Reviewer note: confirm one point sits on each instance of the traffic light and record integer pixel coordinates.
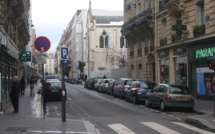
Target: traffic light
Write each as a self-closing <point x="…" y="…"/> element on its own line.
<point x="210" y="65"/>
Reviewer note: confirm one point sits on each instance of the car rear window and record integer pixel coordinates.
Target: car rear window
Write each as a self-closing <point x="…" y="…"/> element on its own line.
<point x="143" y="85"/>
<point x="56" y="84"/>
<point x="179" y="90"/>
<point x="128" y="82"/>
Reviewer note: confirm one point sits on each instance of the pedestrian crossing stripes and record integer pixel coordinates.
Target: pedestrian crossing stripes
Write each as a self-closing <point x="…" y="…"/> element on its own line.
<point x="121" y="129"/>
<point x="159" y="128"/>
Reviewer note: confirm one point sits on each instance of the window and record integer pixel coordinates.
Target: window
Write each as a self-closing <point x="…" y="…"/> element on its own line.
<point x="107" y="42"/>
<point x="101" y="41"/>
<point x="200" y="13"/>
<point x="122" y="41"/>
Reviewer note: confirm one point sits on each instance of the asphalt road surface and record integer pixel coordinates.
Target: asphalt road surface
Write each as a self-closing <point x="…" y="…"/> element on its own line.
<point x="111" y="115"/>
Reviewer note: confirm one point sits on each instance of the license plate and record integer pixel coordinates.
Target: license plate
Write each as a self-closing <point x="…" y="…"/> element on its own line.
<point x="54" y="90"/>
<point x="181" y="97"/>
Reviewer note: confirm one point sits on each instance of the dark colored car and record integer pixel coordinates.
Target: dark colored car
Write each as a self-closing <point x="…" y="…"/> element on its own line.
<point x="86" y="83"/>
<point x="110" y="88"/>
<point x="122" y="86"/>
<point x="138" y="90"/>
<point x="170" y="95"/>
<point x="92" y="82"/>
<point x="54" y="90"/>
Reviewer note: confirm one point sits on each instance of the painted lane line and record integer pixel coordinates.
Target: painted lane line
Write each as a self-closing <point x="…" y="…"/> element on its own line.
<point x="159" y="128"/>
<point x="178" y="118"/>
<point x="121" y="129"/>
<point x="192" y="128"/>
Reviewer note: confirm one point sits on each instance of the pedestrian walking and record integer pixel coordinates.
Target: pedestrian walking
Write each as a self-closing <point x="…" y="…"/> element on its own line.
<point x="32" y="83"/>
<point x="14" y="94"/>
<point x="22" y="85"/>
<point x="104" y="77"/>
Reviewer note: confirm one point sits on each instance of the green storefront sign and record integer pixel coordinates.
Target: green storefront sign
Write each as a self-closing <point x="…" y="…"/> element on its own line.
<point x="205" y="52"/>
<point x="25" y="55"/>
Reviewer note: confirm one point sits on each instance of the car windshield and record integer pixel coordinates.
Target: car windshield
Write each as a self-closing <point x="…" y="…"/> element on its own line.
<point x="179" y="90"/>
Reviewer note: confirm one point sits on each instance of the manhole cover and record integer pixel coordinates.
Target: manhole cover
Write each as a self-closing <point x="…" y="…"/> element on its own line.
<point x="20" y="129"/>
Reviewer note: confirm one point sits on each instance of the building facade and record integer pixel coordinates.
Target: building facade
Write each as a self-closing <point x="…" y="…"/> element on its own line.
<point x="104" y="41"/>
<point x="49" y="67"/>
<point x="14" y="36"/>
<point x="139" y="31"/>
<point x="184" y="38"/>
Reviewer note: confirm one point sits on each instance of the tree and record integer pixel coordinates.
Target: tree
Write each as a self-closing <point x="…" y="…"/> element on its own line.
<point x="118" y="59"/>
<point x="81" y="66"/>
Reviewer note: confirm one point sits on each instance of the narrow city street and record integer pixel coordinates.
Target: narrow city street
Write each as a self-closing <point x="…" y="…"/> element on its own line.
<point x="111" y="115"/>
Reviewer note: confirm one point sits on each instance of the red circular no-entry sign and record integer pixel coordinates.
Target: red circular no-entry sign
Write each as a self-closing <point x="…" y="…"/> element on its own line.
<point x="42" y="44"/>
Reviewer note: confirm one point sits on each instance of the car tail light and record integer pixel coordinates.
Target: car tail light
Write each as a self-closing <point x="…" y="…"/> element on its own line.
<point x="138" y="90"/>
<point x="123" y="86"/>
<point x="192" y="98"/>
<point x="168" y="96"/>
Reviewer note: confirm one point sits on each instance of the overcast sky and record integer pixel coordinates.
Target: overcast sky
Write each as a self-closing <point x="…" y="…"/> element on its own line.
<point x="51" y="17"/>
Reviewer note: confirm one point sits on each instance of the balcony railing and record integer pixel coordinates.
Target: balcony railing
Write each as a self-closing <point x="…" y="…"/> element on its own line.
<point x="140" y="18"/>
<point x="146" y="49"/>
<point x="132" y="54"/>
<point x="152" y="48"/>
<point x="166" y="2"/>
<point x="199" y="30"/>
<point x="163" y="41"/>
<point x="139" y="52"/>
<point x="175" y="38"/>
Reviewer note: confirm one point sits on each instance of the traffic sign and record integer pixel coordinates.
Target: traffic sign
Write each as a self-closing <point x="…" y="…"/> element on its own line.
<point x="42" y="44"/>
<point x="64" y="61"/>
<point x="64" y="53"/>
<point x="25" y="55"/>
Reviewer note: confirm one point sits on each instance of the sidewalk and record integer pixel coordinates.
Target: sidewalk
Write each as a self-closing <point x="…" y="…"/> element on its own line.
<point x="29" y="120"/>
<point x="206" y="119"/>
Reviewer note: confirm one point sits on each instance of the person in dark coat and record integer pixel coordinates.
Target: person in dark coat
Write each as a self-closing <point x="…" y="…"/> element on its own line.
<point x="104" y="77"/>
<point x="14" y="94"/>
<point x="22" y="86"/>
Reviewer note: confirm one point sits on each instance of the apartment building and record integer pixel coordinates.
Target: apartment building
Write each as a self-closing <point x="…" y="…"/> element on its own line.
<point x="184" y="39"/>
<point x="138" y="30"/>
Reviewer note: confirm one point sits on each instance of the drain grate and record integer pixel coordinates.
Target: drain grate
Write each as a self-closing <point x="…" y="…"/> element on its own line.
<point x="17" y="129"/>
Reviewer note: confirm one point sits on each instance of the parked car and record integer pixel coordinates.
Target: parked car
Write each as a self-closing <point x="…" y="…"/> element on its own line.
<point x="122" y="86"/>
<point x="54" y="90"/>
<point x="170" y="95"/>
<point x="105" y="84"/>
<point x="86" y="83"/>
<point x="93" y="82"/>
<point x="96" y="84"/>
<point x="138" y="90"/>
<point x="110" y="88"/>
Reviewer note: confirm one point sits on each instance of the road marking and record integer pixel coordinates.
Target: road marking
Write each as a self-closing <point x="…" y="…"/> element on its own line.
<point x="121" y="129"/>
<point x="178" y="118"/>
<point x="59" y="132"/>
<point x="159" y="128"/>
<point x="192" y="128"/>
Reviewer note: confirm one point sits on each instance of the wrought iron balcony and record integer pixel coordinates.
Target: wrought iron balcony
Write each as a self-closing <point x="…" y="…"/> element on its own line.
<point x="140" y="18"/>
<point x="166" y="2"/>
<point x="139" y="52"/>
<point x="146" y="49"/>
<point x="163" y="41"/>
<point x="132" y="54"/>
<point x="199" y="30"/>
<point x="175" y="38"/>
<point x="152" y="48"/>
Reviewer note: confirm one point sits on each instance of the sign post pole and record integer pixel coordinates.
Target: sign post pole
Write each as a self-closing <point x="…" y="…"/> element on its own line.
<point x="213" y="76"/>
<point x="64" y="52"/>
<point x="42" y="44"/>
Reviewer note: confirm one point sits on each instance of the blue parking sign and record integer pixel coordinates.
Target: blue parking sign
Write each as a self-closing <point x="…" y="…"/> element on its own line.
<point x="64" y="52"/>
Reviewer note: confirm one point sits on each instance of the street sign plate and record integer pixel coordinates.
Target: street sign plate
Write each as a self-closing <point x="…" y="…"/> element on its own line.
<point x="42" y="44"/>
<point x="41" y="60"/>
<point x="64" y="61"/>
<point x="25" y="55"/>
<point x="64" y="53"/>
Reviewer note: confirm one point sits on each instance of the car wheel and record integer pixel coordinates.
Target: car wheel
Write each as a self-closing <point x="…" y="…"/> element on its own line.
<point x="120" y="95"/>
<point x="135" y="99"/>
<point x="126" y="97"/>
<point x="162" y="106"/>
<point x="147" y="103"/>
